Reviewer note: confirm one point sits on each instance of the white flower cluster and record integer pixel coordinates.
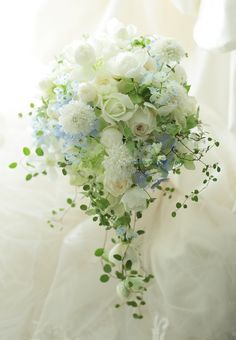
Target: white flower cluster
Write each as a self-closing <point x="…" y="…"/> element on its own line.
<point x="117" y="118"/>
<point x="108" y="93"/>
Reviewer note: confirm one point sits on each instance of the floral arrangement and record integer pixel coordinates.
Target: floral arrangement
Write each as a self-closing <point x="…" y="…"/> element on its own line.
<point x="116" y="117"/>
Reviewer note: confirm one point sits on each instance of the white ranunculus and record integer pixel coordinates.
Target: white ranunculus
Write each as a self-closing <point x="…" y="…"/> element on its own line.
<point x="111" y="136"/>
<point x="104" y="83"/>
<point x="77" y="117"/>
<point x="85" y="54"/>
<point x="143" y="122"/>
<point x="118" y="107"/>
<point x="135" y="199"/>
<point x="87" y="92"/>
<point x="129" y="64"/>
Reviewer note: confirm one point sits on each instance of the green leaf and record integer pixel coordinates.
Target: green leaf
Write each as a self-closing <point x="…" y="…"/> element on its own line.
<point x="136" y="99"/>
<point x="191" y="121"/>
<point x="128" y="265"/>
<point x="107" y="268"/>
<point x="132" y="303"/>
<point x="39" y="133"/>
<point x="126" y="85"/>
<point x="39" y="152"/>
<point x="26" y="151"/>
<point x="178" y="205"/>
<point x="69" y="201"/>
<point x="12" y="165"/>
<point x="189" y="165"/>
<point x="117" y="257"/>
<point x="104" y="278"/>
<point x="99" y="252"/>
<point x="28" y="177"/>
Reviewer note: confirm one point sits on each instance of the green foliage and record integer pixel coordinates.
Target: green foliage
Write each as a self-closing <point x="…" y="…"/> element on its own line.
<point x="104" y="278"/>
<point x="39" y="152"/>
<point x="99" y="252"/>
<point x="12" y="165"/>
<point x="26" y="151"/>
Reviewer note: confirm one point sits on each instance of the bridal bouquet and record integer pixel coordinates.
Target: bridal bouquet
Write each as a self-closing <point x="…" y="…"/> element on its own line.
<point x="116" y="117"/>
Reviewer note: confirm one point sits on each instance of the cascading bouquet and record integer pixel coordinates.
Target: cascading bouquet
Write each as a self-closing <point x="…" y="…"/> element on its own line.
<point x="116" y="117"/>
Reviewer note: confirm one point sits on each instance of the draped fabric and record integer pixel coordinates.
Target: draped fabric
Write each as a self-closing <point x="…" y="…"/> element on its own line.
<point x="49" y="278"/>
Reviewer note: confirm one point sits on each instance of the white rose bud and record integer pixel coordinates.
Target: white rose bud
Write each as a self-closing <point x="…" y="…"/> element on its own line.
<point x="130" y="254"/>
<point x="85" y="54"/>
<point x="143" y="121"/>
<point x="135" y="199"/>
<point x="110" y="137"/>
<point x="122" y="291"/>
<point x="87" y="92"/>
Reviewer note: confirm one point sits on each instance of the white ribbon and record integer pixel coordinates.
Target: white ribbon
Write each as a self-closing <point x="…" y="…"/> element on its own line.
<point x="160" y="328"/>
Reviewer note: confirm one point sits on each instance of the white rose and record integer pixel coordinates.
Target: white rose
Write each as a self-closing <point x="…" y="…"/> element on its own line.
<point x="143" y="121"/>
<point x="117" y="186"/>
<point x="122" y="291"/>
<point x="85" y="54"/>
<point x="123" y="250"/>
<point x="110" y="137"/>
<point x="129" y="64"/>
<point x="87" y="92"/>
<point x="118" y="107"/>
<point x="135" y="199"/>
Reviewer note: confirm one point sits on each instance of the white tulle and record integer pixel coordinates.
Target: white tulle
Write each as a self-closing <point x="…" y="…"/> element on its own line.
<point x="49" y="278"/>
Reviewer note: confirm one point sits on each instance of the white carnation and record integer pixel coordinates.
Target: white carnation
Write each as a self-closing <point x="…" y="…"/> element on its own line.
<point x="167" y="50"/>
<point x="77" y="117"/>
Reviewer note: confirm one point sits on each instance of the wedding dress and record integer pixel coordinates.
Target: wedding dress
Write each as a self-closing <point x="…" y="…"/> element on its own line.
<point x="49" y="281"/>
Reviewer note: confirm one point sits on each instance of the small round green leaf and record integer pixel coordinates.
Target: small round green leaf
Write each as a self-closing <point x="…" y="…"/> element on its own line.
<point x="39" y="152"/>
<point x="28" y="177"/>
<point x="99" y="252"/>
<point x="26" y="151"/>
<point x="12" y="165"/>
<point x="107" y="268"/>
<point x="104" y="278"/>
